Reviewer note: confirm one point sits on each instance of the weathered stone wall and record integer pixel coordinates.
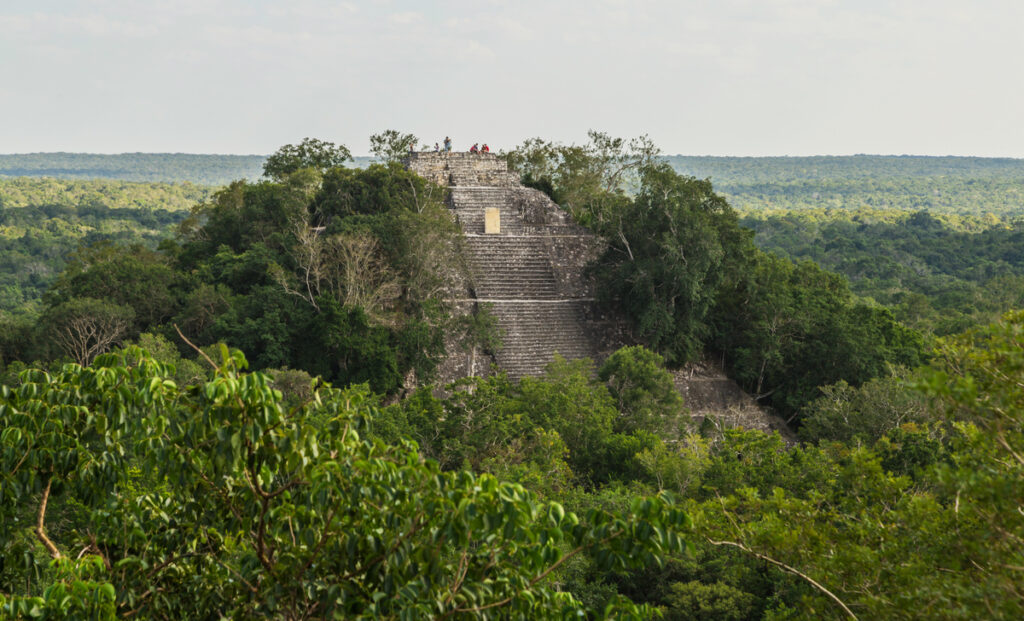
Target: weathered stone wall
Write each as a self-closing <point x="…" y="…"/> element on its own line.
<point x="463" y="361"/>
<point x="716" y="399"/>
<point x="462" y="169"/>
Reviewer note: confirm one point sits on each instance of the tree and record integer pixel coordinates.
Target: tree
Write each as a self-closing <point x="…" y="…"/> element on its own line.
<point x="86" y="327"/>
<point x="665" y="257"/>
<point x="310" y="153"/>
<point x="568" y="400"/>
<point x="587" y="180"/>
<point x="346" y="267"/>
<point x="864" y="414"/>
<point x="355" y="260"/>
<point x="785" y="330"/>
<point x="719" y="602"/>
<point x="921" y="525"/>
<point x="392" y="145"/>
<point x="218" y="501"/>
<point x="677" y="467"/>
<point x="646" y="395"/>
<point x="130" y="276"/>
<point x="426" y="247"/>
<point x="978" y="378"/>
<point x="377" y="189"/>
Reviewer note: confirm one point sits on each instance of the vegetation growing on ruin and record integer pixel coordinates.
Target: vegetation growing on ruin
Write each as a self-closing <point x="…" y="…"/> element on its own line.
<point x="689" y="278"/>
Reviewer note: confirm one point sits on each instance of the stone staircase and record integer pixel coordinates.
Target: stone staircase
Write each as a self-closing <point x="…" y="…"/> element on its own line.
<point x="471" y="202"/>
<point x="507" y="267"/>
<point x="530" y="271"/>
<point x="535" y="330"/>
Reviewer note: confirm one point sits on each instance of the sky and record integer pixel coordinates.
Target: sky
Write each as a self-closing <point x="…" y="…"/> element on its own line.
<point x="700" y="77"/>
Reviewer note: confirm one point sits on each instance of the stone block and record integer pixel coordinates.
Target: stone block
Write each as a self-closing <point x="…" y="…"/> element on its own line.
<point x="492" y="221"/>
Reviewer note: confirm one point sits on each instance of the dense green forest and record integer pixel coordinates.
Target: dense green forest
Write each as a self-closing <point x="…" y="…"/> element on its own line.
<point x="161" y="167"/>
<point x="148" y="469"/>
<point x="949" y="185"/>
<point x="46" y="191"/>
<point x="43" y="221"/>
<point x="935" y="276"/>
<point x="200" y="169"/>
<point x="749" y="170"/>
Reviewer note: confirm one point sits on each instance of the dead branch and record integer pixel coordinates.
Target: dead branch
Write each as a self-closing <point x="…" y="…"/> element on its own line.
<point x="791" y="570"/>
<point x="41" y="518"/>
<point x="193" y="346"/>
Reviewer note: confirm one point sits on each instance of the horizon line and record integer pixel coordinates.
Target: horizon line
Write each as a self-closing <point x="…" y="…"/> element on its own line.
<point x="368" y="156"/>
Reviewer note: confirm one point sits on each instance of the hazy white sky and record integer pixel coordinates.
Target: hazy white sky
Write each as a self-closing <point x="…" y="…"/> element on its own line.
<point x="719" y="77"/>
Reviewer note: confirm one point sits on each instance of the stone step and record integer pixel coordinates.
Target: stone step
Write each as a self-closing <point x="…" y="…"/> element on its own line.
<point x="509" y="246"/>
<point x="534" y="332"/>
<point x="513" y="273"/>
<point x="500" y="291"/>
<point x="539" y="275"/>
<point x="491" y="250"/>
<point x="509" y="264"/>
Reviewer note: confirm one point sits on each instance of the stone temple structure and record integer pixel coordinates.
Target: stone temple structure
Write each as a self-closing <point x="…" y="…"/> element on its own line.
<point x="527" y="262"/>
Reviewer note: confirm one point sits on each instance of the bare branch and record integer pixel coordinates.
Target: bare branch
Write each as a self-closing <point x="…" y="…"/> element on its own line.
<point x="193" y="346"/>
<point x="41" y="518"/>
<point x="791" y="570"/>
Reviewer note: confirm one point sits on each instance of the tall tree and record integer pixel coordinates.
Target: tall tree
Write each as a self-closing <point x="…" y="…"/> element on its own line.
<point x="310" y="153"/>
<point x="392" y="145"/>
<point x="588" y="180"/>
<point x="663" y="265"/>
<point x="83" y="328"/>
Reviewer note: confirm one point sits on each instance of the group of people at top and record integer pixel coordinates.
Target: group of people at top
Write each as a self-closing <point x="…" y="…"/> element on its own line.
<point x="476" y="148"/>
<point x="447" y="146"/>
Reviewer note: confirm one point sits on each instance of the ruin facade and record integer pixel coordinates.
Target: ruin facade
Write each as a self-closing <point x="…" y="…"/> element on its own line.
<point x="527" y="263"/>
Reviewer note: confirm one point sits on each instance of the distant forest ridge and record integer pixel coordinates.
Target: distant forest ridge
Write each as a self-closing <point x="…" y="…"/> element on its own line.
<point x="947" y="184"/>
<point x="781" y="169"/>
<point x="203" y="169"/>
<point x="210" y="169"/>
<point x="962" y="186"/>
<point x="165" y="167"/>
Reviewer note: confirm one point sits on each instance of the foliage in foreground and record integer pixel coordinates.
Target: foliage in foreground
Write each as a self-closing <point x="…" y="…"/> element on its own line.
<point x="157" y="501"/>
<point x="926" y="522"/>
<point x="903" y="505"/>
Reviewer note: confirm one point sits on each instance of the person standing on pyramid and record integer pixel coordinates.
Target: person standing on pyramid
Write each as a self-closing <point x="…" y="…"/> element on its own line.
<point x="447" y="144"/>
